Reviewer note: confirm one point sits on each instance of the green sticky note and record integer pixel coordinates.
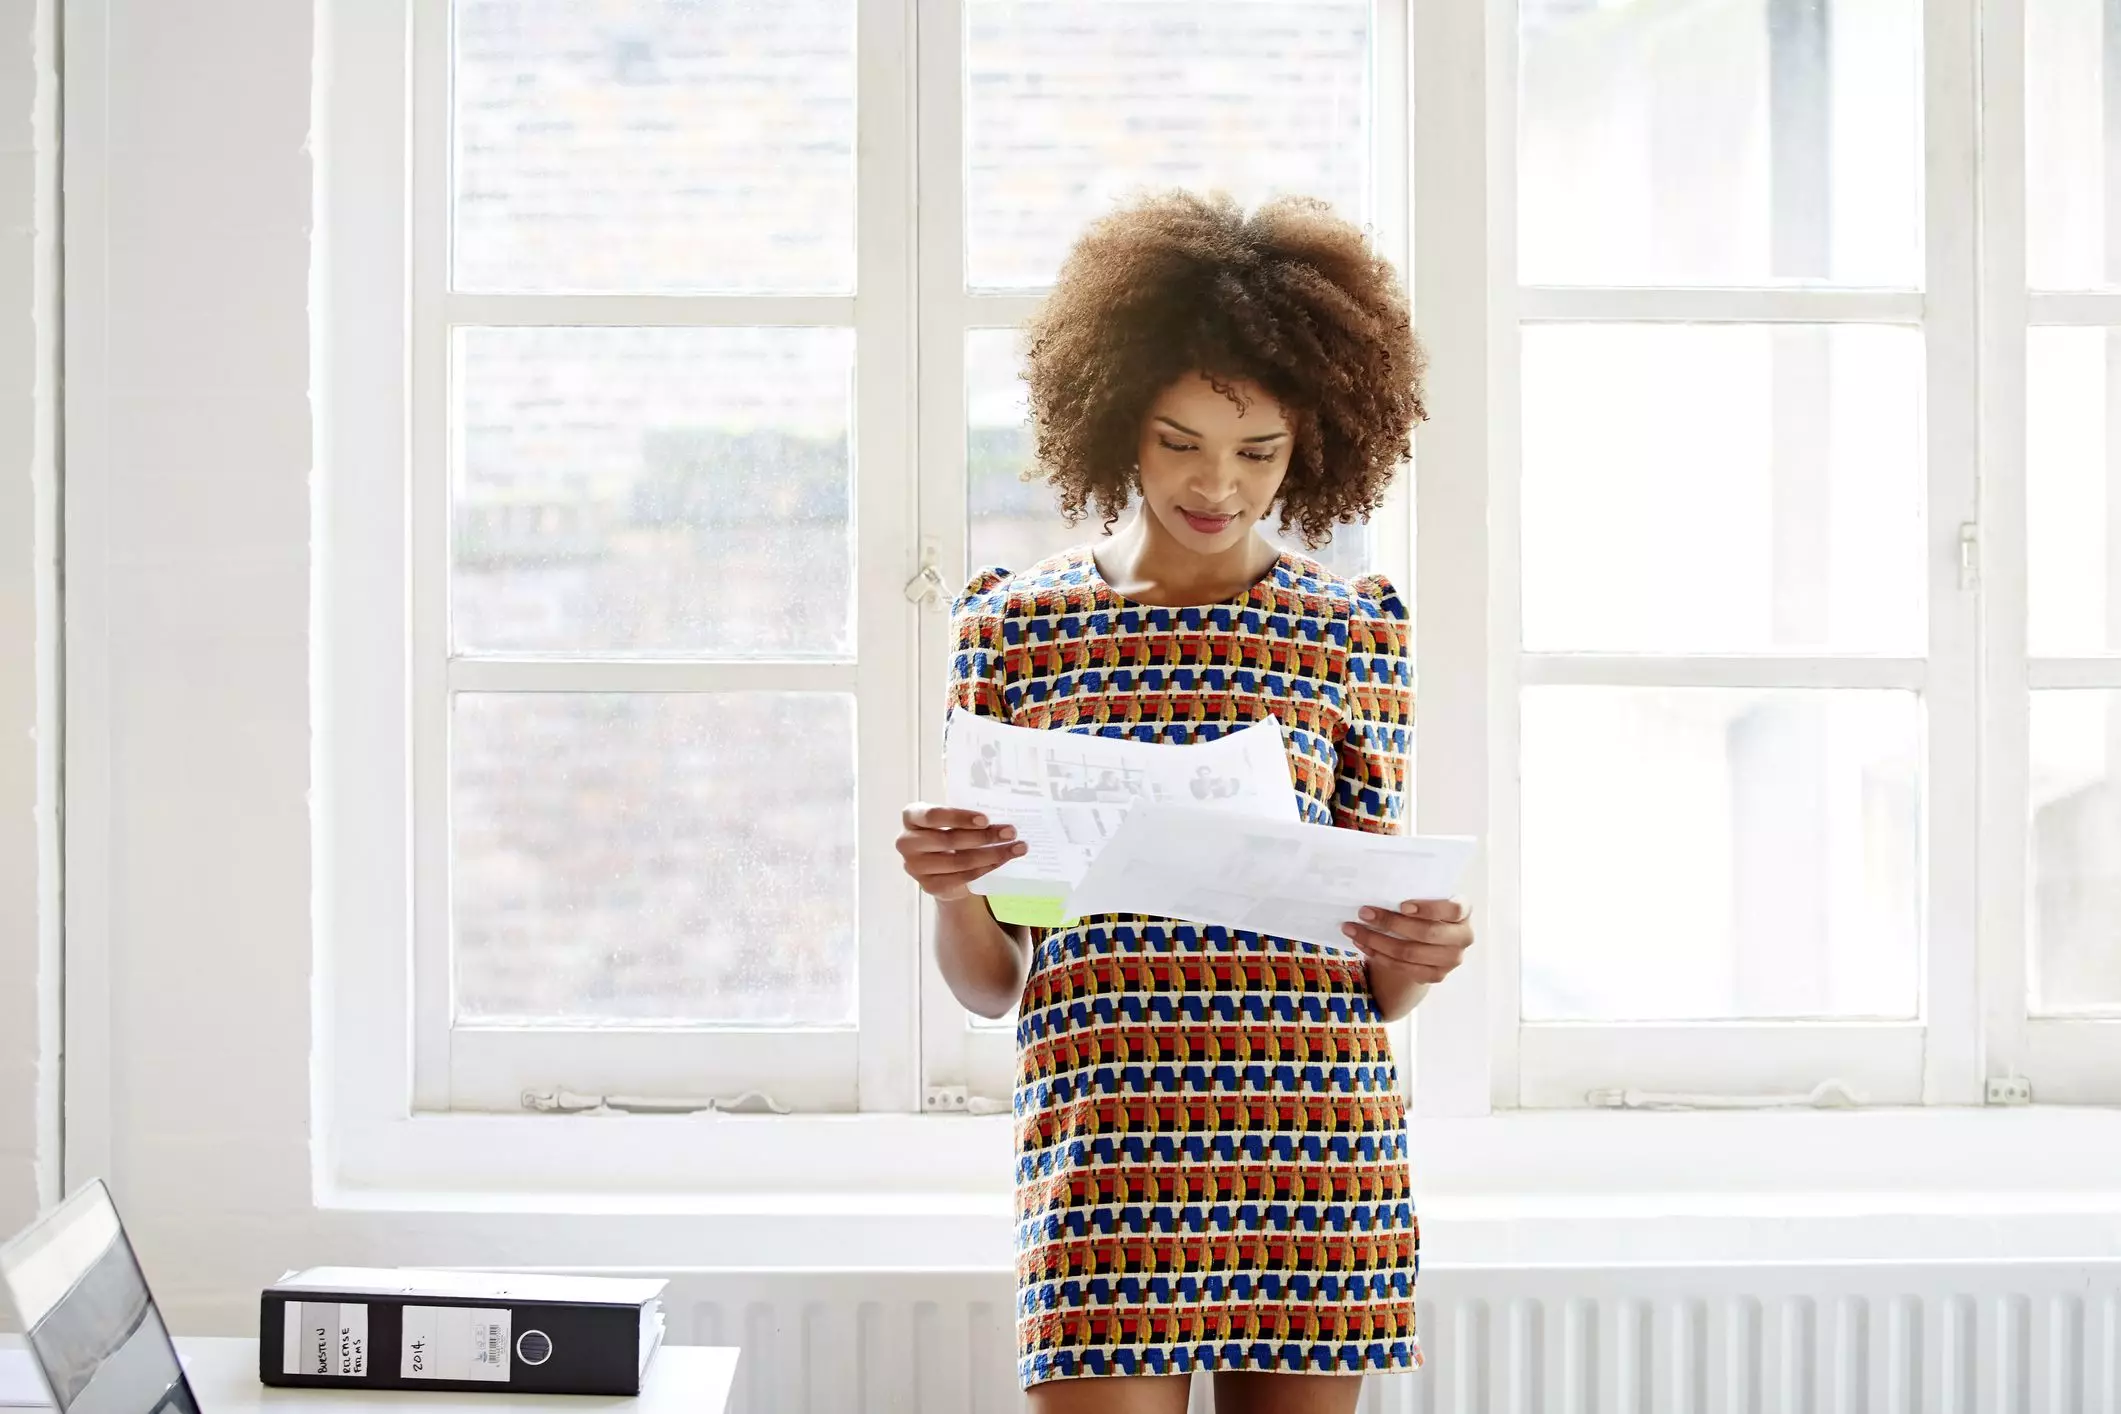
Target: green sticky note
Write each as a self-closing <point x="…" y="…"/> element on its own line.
<point x="1031" y="910"/>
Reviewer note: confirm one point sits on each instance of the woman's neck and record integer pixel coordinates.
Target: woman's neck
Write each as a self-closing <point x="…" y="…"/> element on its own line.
<point x="1143" y="563"/>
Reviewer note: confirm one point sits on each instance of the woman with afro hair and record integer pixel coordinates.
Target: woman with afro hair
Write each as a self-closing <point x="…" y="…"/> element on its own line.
<point x="1211" y="1150"/>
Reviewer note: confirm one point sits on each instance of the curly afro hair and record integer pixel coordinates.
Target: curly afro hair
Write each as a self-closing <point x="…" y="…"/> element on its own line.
<point x="1291" y="298"/>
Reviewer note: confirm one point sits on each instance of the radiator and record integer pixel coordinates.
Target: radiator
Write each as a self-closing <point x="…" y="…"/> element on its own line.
<point x="1898" y="1338"/>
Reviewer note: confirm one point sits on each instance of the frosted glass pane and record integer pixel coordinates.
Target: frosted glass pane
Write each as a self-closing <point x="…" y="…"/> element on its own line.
<point x="2072" y="120"/>
<point x="1014" y="523"/>
<point x="2075" y="880"/>
<point x="654" y="857"/>
<point x="652" y="491"/>
<point x="1712" y="854"/>
<point x="1723" y="489"/>
<point x="1072" y="107"/>
<point x="2073" y="573"/>
<point x="653" y="146"/>
<point x="1720" y="141"/>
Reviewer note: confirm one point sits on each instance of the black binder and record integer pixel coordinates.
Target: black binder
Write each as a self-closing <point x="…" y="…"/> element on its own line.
<point x="397" y="1328"/>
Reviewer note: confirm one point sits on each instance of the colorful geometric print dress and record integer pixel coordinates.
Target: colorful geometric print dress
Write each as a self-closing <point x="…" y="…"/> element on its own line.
<point x="1211" y="1149"/>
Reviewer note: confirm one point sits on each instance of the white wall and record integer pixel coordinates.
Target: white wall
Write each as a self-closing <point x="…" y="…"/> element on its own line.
<point x="29" y="716"/>
<point x="188" y="466"/>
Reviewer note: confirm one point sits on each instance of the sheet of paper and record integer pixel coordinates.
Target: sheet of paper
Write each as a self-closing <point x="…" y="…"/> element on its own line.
<point x="1068" y="792"/>
<point x="1283" y="878"/>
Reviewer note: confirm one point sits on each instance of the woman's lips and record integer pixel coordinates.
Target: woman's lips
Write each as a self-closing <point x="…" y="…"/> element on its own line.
<point x="1207" y="525"/>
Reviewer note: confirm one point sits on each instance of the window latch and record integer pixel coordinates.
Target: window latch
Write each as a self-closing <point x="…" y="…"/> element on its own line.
<point x="1969" y="555"/>
<point x="927" y="586"/>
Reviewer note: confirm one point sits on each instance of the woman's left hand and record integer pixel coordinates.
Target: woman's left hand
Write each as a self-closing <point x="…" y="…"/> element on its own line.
<point x="1422" y="941"/>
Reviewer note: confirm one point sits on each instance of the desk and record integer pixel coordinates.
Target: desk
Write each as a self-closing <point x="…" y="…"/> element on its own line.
<point x="682" y="1379"/>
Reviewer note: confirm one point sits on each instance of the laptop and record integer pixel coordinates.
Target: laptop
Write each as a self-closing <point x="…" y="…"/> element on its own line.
<point x="93" y="1331"/>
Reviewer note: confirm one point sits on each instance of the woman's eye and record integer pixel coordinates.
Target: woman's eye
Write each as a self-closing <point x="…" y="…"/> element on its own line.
<point x="1257" y="456"/>
<point x="1172" y="446"/>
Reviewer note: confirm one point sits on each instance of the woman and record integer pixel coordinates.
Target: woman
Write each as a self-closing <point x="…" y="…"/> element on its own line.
<point x="1211" y="1149"/>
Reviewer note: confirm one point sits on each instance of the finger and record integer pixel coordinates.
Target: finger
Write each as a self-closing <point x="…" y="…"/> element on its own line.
<point x="956" y="861"/>
<point x="1420" y="972"/>
<point x="921" y="816"/>
<point x="1413" y="930"/>
<point x="925" y="841"/>
<point x="1400" y="950"/>
<point x="1437" y="910"/>
<point x="952" y="883"/>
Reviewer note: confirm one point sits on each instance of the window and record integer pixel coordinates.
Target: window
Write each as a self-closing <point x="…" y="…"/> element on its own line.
<point x="676" y="655"/>
<point x="659" y="708"/>
<point x="2053" y="353"/>
<point x="1734" y="648"/>
<point x="1764" y="603"/>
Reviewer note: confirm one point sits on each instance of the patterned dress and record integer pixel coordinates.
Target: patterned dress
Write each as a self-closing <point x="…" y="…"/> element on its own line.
<point x="1211" y="1149"/>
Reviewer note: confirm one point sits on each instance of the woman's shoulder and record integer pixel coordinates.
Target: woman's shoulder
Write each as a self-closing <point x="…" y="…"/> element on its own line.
<point x="1045" y="586"/>
<point x="1365" y="596"/>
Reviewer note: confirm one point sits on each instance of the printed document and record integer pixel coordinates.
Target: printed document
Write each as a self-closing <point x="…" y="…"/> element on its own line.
<point x="1066" y="792"/>
<point x="1284" y="878"/>
<point x="1209" y="833"/>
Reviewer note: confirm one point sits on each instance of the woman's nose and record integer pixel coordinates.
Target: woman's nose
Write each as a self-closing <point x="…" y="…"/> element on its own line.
<point x="1217" y="482"/>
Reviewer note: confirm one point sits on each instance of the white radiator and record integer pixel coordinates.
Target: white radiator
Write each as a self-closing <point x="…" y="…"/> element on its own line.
<point x="1899" y="1338"/>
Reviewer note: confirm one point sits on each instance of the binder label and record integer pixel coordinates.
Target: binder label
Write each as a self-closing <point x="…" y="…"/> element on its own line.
<point x="455" y="1343"/>
<point x="325" y="1339"/>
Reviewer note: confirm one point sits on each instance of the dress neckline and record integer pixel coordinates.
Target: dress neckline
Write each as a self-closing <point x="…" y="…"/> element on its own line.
<point x="1087" y="562"/>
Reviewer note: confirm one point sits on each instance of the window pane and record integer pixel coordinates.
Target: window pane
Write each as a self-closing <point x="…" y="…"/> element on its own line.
<point x="1013" y="523"/>
<point x="1715" y="854"/>
<point x="652" y="491"/>
<point x="1720" y="141"/>
<point x="654" y="857"/>
<point x="2072" y="111"/>
<point x="1009" y="522"/>
<point x="2075" y="884"/>
<point x="1069" y="108"/>
<point x="2073" y="575"/>
<point x="1723" y="489"/>
<point x="640" y="145"/>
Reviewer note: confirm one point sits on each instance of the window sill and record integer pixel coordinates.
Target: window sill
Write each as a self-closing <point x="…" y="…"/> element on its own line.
<point x="973" y="1232"/>
<point x="866" y="1192"/>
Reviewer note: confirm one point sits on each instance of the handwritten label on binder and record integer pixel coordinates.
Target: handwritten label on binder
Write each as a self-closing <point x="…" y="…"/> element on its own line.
<point x="454" y="1343"/>
<point x="326" y="1339"/>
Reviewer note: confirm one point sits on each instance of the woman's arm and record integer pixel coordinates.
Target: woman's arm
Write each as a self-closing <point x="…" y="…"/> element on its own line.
<point x="1395" y="991"/>
<point x="985" y="962"/>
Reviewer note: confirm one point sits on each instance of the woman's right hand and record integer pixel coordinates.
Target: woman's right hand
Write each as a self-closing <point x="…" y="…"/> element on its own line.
<point x="945" y="850"/>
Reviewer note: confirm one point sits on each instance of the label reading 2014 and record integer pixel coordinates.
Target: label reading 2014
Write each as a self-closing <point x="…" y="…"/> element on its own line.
<point x="454" y="1343"/>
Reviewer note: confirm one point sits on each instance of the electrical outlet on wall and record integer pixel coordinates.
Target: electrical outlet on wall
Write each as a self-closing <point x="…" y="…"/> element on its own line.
<point x="944" y="1098"/>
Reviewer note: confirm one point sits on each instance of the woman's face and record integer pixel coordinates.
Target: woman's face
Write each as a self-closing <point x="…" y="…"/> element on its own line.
<point x="1209" y="471"/>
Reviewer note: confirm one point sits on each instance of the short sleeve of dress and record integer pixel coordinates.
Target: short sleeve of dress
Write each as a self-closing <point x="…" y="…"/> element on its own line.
<point x="976" y="655"/>
<point x="1377" y="708"/>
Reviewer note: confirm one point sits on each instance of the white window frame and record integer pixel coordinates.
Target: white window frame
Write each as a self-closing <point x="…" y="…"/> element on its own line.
<point x="384" y="198"/>
<point x="867" y="1065"/>
<point x="1466" y="164"/>
<point x="958" y="1053"/>
<point x="382" y="1102"/>
<point x="2065" y="1059"/>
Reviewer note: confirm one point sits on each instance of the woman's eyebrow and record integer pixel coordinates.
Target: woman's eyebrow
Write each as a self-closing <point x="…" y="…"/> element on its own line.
<point x="1176" y="426"/>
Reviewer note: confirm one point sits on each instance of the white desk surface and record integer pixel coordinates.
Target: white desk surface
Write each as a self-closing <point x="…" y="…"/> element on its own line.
<point x="682" y="1379"/>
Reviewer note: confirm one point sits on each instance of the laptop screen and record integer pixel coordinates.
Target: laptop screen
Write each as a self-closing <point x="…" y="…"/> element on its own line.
<point x="92" y="1326"/>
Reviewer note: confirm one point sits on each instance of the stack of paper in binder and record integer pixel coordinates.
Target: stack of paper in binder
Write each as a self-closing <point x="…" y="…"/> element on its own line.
<point x="399" y="1328"/>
